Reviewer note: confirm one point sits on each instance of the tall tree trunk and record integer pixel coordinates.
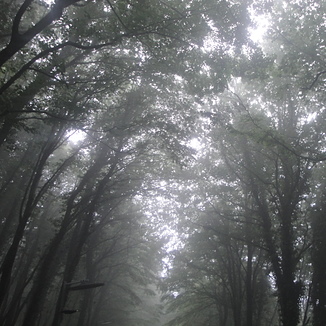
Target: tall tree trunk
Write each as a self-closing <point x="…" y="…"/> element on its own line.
<point x="86" y="304"/>
<point x="43" y="279"/>
<point x="29" y="202"/>
<point x="319" y="263"/>
<point x="47" y="268"/>
<point x="287" y="288"/>
<point x="249" y="275"/>
<point x="12" y="313"/>
<point x="76" y="243"/>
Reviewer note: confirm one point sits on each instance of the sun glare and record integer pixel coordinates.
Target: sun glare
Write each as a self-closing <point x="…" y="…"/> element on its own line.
<point x="195" y="144"/>
<point x="261" y="25"/>
<point x="76" y="136"/>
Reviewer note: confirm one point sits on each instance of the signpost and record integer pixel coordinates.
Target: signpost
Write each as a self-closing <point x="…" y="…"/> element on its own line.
<point x="77" y="286"/>
<point x="84" y="286"/>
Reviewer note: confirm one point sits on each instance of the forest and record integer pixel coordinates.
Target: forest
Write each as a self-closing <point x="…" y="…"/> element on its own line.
<point x="162" y="163"/>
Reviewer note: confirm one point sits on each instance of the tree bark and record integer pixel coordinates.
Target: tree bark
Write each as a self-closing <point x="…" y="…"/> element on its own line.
<point x="32" y="195"/>
<point x="319" y="261"/>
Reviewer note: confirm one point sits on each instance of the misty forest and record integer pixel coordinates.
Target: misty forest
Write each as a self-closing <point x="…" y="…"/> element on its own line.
<point x="162" y="162"/>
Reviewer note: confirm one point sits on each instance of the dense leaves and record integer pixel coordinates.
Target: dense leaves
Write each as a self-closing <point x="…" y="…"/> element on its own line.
<point x="154" y="147"/>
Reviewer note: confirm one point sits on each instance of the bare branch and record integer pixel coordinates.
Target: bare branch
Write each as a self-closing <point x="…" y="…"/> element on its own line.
<point x="314" y="81"/>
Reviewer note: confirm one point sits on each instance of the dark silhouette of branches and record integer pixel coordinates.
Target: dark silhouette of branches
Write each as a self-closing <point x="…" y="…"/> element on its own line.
<point x="315" y="80"/>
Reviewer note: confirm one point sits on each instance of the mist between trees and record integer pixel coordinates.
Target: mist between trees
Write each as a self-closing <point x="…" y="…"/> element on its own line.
<point x="162" y="163"/>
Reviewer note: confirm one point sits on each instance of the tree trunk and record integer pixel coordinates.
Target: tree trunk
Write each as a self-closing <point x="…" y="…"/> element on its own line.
<point x="86" y="305"/>
<point x="43" y="279"/>
<point x="14" y="308"/>
<point x="31" y="197"/>
<point x="319" y="263"/>
<point x="249" y="271"/>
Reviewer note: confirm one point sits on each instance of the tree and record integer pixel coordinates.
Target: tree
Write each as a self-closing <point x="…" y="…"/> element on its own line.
<point x="160" y="33"/>
<point x="267" y="156"/>
<point x="134" y="79"/>
<point x="302" y="57"/>
<point x="219" y="274"/>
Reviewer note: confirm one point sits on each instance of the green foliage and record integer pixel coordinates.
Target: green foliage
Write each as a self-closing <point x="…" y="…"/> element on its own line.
<point x="143" y="82"/>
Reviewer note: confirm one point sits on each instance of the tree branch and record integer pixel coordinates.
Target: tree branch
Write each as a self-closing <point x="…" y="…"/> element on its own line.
<point x="44" y="53"/>
<point x="18" y="41"/>
<point x="314" y="81"/>
<point x="18" y="17"/>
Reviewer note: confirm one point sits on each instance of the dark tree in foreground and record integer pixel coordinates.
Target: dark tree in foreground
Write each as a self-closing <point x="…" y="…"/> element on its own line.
<point x="318" y="262"/>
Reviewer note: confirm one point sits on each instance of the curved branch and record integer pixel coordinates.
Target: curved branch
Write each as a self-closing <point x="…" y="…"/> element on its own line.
<point x="18" y="41"/>
<point x="18" y="17"/>
<point x="318" y="157"/>
<point x="117" y="15"/>
<point x="314" y="81"/>
<point x="44" y="53"/>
